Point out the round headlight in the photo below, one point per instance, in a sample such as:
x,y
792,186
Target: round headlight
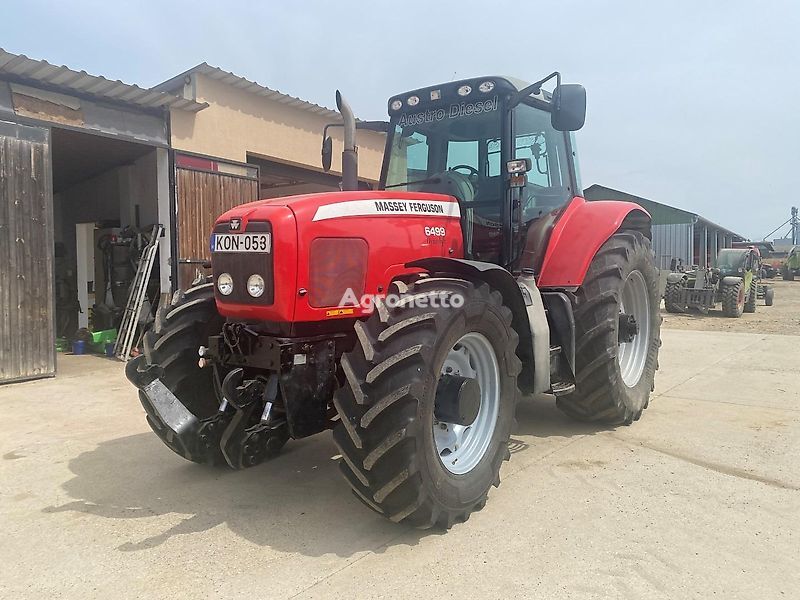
x,y
486,86
413,100
397,104
255,285
465,90
225,284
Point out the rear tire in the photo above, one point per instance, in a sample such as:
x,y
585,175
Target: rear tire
x,y
171,342
733,299
752,297
391,454
672,298
604,390
769,296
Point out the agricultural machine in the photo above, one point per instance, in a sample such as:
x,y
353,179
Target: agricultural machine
x,y
791,266
409,319
735,283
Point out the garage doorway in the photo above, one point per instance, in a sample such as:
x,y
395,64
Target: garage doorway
x,y
105,203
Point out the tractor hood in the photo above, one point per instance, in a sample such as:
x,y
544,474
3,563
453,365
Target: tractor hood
x,y
336,205
307,254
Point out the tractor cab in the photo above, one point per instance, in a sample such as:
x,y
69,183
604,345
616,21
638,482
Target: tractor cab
x,y
737,261
502,148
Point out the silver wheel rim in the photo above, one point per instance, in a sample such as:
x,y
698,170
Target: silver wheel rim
x,y
461,447
635,301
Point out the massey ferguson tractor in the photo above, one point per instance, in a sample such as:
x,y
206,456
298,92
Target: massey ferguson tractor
x,y
411,318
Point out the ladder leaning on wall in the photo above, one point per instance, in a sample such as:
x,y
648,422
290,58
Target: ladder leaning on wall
x,y
131,317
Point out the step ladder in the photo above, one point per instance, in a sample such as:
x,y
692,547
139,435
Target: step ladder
x,y
130,318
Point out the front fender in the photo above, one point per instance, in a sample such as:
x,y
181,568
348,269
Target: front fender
x,y
578,234
526,320
730,280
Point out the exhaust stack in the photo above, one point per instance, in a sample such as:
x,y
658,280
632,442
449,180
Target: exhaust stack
x,y
350,152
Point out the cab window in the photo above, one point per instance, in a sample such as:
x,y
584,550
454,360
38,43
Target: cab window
x,y
463,154
549,183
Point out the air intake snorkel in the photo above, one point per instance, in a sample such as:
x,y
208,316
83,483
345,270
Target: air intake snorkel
x,y
350,152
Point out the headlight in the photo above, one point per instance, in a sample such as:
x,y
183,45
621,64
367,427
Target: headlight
x,y
225,284
255,285
465,90
413,100
486,86
397,104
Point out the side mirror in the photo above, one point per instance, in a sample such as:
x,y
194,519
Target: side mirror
x,y
327,153
569,107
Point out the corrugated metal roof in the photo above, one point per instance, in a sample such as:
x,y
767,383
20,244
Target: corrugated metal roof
x,y
661,213
250,86
65,79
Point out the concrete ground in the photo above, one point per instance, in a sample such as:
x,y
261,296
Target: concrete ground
x,y
700,498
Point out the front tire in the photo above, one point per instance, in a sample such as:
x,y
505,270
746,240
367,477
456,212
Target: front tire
x,y
171,343
788,274
672,298
733,299
613,378
752,297
769,296
394,459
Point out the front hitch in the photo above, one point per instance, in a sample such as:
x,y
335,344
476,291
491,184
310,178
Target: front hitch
x,y
225,435
247,442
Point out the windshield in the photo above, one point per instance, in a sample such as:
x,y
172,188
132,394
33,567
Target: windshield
x,y
730,260
460,138
455,150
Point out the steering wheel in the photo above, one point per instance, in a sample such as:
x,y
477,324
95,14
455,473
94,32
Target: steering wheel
x,y
473,172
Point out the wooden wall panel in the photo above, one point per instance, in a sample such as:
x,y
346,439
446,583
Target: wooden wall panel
x,y
201,197
27,342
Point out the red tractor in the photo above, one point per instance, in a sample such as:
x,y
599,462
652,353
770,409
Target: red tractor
x,y
411,318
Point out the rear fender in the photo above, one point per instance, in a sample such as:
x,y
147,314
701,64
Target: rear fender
x,y
579,233
528,316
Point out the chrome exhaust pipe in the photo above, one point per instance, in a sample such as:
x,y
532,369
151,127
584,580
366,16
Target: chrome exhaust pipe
x,y
350,152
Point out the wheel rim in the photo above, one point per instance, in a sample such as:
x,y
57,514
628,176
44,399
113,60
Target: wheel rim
x,y
461,447
635,301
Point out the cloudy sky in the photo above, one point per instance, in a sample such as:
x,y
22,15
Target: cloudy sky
x,y
691,103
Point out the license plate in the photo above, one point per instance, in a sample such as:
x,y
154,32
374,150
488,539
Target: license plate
x,y
241,242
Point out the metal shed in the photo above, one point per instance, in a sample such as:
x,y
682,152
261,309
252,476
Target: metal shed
x,y
678,235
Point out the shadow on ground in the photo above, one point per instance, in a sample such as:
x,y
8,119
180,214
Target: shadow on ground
x,y
539,416
296,503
